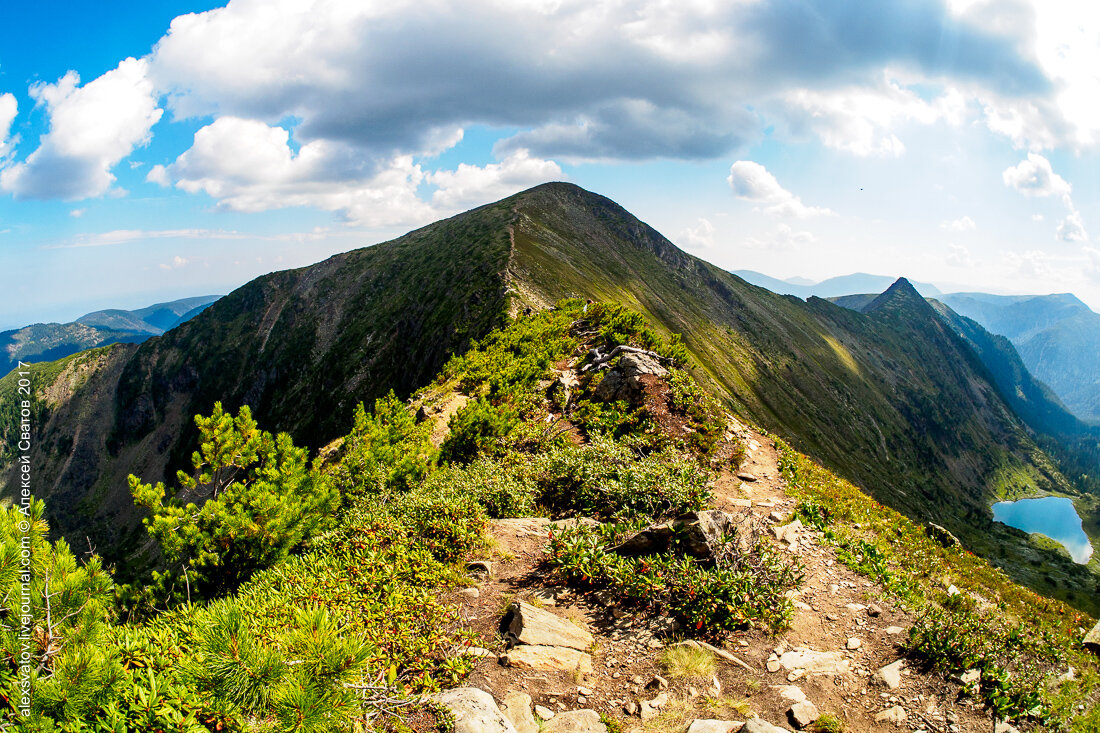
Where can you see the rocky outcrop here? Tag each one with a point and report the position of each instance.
(624, 382)
(695, 534)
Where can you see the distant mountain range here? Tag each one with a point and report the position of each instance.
(1057, 336)
(857, 282)
(892, 396)
(49, 341)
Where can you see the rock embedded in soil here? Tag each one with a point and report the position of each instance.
(536, 627)
(648, 709)
(517, 708)
(544, 712)
(759, 725)
(814, 662)
(548, 659)
(474, 710)
(890, 675)
(482, 568)
(788, 532)
(803, 714)
(790, 694)
(575, 721)
(895, 715)
(701, 725)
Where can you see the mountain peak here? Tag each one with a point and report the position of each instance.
(900, 295)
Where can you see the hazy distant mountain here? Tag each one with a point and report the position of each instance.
(1057, 336)
(858, 282)
(50, 341)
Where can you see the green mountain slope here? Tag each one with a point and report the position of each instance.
(892, 399)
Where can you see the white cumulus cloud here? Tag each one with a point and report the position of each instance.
(471, 185)
(1072, 228)
(9, 107)
(862, 120)
(965, 224)
(959, 256)
(92, 128)
(1036, 177)
(700, 236)
(751, 181)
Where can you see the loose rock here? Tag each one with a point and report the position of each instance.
(895, 715)
(803, 714)
(890, 675)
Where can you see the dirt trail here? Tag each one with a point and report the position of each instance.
(838, 613)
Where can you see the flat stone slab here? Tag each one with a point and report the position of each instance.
(815, 662)
(575, 721)
(759, 725)
(534, 626)
(548, 659)
(475, 711)
(701, 725)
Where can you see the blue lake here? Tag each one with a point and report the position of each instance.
(1053, 516)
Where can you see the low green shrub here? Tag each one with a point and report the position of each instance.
(742, 590)
(477, 428)
(386, 449)
(608, 479)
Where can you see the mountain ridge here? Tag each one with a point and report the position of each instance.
(930, 436)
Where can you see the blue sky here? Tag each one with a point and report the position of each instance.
(167, 149)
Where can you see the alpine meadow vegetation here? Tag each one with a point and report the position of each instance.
(309, 593)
